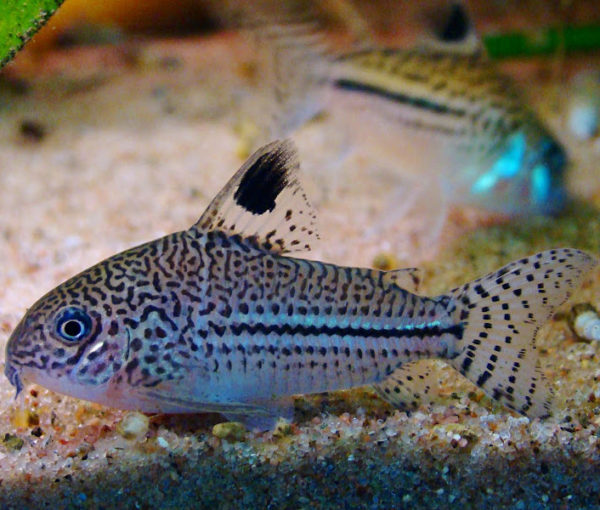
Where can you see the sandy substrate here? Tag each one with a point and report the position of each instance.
(126, 144)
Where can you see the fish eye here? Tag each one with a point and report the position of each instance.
(73, 324)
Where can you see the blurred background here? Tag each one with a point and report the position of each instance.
(184, 73)
(512, 31)
(81, 21)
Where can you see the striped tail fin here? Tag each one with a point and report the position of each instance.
(501, 314)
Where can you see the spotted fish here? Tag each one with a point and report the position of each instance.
(221, 318)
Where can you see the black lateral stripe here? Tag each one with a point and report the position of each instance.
(301, 330)
(418, 102)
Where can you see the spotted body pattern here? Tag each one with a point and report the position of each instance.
(220, 318)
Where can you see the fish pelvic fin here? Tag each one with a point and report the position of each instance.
(501, 314)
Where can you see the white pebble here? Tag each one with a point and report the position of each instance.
(587, 325)
(133, 425)
(583, 120)
(162, 442)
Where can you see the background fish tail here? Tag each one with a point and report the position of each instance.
(290, 70)
(501, 314)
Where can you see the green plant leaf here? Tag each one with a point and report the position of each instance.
(19, 20)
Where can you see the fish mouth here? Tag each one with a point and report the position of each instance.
(12, 374)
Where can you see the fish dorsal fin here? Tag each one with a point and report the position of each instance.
(456, 25)
(265, 203)
(453, 31)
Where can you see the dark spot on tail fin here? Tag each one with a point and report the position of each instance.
(263, 182)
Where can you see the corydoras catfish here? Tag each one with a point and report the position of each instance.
(220, 318)
(444, 122)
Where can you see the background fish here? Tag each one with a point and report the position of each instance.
(219, 317)
(459, 123)
(440, 117)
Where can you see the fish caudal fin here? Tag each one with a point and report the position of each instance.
(292, 67)
(501, 314)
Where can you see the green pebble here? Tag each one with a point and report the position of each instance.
(12, 442)
(230, 430)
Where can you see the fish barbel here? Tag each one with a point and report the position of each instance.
(220, 318)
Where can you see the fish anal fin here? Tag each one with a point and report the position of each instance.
(413, 384)
(265, 203)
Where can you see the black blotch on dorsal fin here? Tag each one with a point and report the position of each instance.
(262, 183)
(456, 26)
(452, 31)
(264, 203)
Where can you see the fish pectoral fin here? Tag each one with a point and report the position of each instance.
(264, 203)
(260, 414)
(413, 384)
